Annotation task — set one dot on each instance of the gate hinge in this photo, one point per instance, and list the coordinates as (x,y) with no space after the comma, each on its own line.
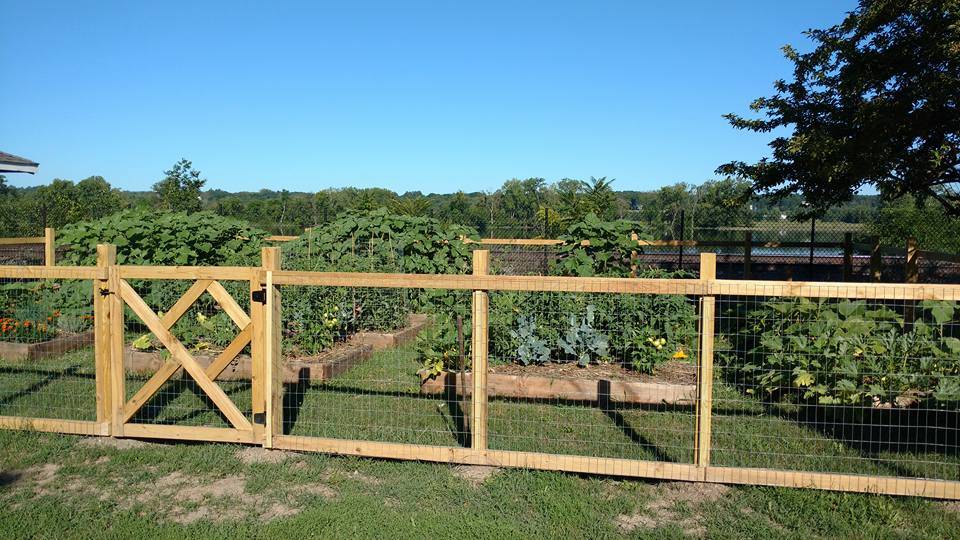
(260,418)
(259,296)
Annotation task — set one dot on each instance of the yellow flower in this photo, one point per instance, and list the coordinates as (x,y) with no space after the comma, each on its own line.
(679,355)
(201,317)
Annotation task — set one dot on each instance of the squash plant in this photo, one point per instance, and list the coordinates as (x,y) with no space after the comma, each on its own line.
(845,352)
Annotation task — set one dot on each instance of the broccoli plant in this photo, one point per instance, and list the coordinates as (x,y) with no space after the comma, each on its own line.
(584,342)
(532,348)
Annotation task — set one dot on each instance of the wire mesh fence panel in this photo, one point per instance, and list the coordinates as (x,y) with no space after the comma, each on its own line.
(46,349)
(158,388)
(357,363)
(22,254)
(837,385)
(519,260)
(593,374)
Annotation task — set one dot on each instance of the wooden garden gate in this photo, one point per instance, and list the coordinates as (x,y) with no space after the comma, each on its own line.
(117,295)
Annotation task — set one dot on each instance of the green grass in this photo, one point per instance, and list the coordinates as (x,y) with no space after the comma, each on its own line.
(90,493)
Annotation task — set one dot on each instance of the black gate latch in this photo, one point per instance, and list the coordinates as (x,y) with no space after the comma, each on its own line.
(259,296)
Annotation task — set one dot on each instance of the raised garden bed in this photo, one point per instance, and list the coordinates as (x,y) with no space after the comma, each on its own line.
(11,351)
(326,365)
(673,384)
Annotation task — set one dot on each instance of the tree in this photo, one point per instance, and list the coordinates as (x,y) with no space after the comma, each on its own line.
(96,198)
(874,104)
(599,197)
(180,189)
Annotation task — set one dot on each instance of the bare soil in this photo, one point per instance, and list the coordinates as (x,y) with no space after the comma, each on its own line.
(673,372)
(181,497)
(662,510)
(476,475)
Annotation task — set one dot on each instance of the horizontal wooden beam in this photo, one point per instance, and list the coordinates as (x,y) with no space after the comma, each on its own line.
(188,433)
(50,272)
(22,240)
(280,238)
(227,273)
(814,289)
(495,458)
(492,283)
(54,425)
(938,489)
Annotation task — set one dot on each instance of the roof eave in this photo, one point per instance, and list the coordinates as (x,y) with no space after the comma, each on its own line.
(11,167)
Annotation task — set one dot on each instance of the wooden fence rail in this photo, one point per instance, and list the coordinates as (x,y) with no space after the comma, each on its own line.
(261,327)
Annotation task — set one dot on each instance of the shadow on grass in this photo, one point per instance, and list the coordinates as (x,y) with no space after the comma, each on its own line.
(49,378)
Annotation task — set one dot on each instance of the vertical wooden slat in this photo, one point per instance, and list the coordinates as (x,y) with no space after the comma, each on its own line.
(708,271)
(876,261)
(49,246)
(106,257)
(478,416)
(747,254)
(847,256)
(272,359)
(118,395)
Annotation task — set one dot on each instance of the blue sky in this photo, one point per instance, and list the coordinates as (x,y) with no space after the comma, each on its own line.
(430,96)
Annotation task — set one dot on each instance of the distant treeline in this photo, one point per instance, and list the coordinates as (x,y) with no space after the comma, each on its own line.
(529,207)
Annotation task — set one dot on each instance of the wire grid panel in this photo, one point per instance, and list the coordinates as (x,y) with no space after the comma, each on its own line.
(835,385)
(354,360)
(22,254)
(593,374)
(46,349)
(521,260)
(205,330)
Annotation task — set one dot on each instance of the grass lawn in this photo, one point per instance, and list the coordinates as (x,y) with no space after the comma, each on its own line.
(74,486)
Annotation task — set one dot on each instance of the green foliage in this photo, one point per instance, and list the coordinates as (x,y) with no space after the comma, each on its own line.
(608,252)
(846,352)
(164,238)
(179,191)
(384,242)
(873,104)
(926,221)
(437,348)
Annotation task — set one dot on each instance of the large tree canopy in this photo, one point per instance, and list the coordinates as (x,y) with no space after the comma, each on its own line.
(874,104)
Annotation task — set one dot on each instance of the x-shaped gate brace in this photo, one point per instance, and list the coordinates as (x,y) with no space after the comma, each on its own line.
(160,327)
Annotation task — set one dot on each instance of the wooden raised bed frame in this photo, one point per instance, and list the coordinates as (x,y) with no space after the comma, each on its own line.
(14,352)
(324,366)
(566,389)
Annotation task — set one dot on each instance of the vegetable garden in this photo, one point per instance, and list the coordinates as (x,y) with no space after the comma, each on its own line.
(393,336)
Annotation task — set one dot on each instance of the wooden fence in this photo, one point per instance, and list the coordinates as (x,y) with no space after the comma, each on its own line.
(261,328)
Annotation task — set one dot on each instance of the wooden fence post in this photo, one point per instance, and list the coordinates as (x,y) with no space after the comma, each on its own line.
(271,360)
(106,257)
(747,254)
(847,256)
(478,416)
(117,371)
(49,246)
(911,272)
(876,261)
(708,272)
